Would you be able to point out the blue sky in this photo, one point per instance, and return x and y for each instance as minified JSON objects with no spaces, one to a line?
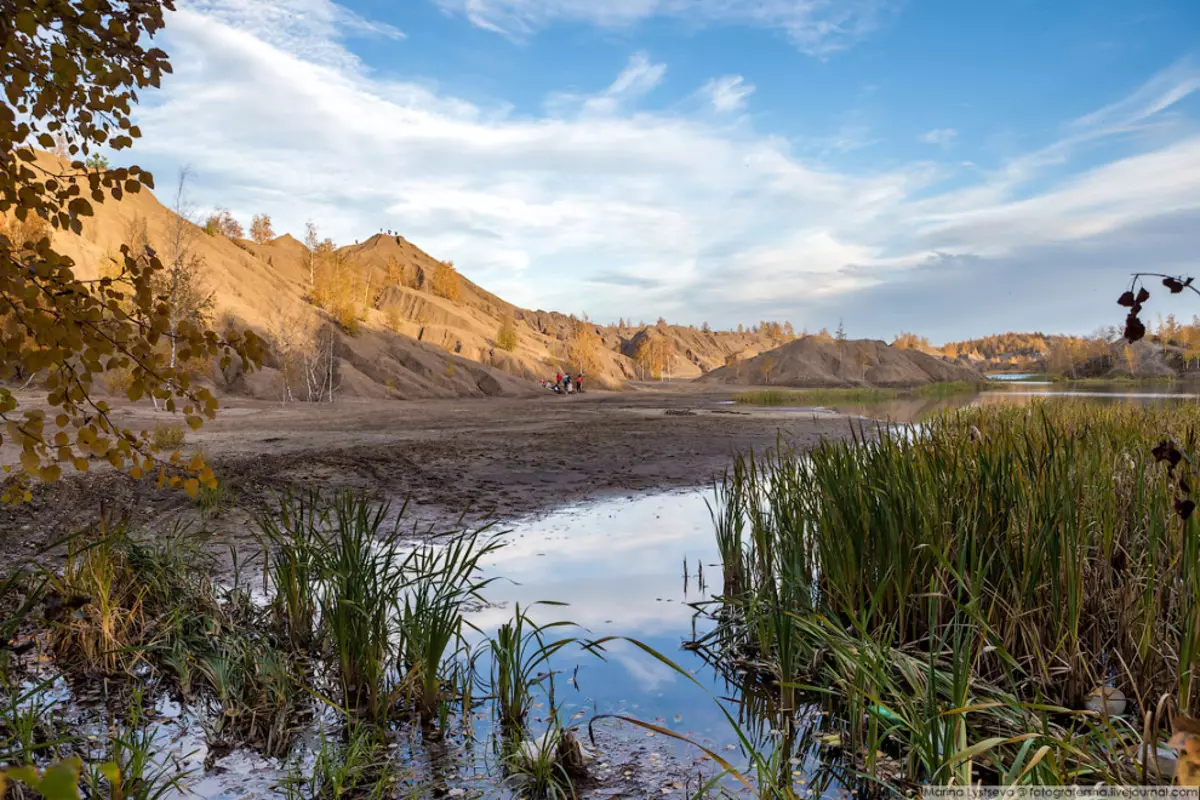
{"x":951,"y":168}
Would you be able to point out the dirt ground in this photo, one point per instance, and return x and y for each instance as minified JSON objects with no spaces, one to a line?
{"x":490,"y":459}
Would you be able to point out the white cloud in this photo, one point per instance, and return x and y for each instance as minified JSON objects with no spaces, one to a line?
{"x":601,"y":204}
{"x":942,"y":137}
{"x":728,"y":93}
{"x":817,"y":27}
{"x":640,"y":77}
{"x":308,"y":28}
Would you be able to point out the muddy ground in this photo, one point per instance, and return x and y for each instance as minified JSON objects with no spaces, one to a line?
{"x":490,"y":459}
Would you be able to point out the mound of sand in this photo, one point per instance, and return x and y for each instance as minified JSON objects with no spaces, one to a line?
{"x":814,"y":362}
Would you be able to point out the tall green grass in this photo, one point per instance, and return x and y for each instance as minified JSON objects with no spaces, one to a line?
{"x":440,"y":580}
{"x":960,"y":587}
{"x":362,"y":579}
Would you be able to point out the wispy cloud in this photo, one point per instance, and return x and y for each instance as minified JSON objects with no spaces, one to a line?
{"x":818,"y":27}
{"x":728,"y":93}
{"x":604,"y":203}
{"x":942,"y":137}
{"x":1157,"y":94}
{"x":309,"y":28}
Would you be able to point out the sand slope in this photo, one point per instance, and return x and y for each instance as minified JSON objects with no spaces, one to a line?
{"x":814,"y":362}
{"x":414,"y":343}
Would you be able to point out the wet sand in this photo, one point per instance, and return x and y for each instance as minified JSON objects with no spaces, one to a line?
{"x":496,"y":458}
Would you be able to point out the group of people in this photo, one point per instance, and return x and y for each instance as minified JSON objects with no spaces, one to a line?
{"x":565,"y":384}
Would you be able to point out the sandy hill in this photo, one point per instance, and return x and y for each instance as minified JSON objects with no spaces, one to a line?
{"x":407,"y":326}
{"x":816,"y":362}
{"x":264,"y":288}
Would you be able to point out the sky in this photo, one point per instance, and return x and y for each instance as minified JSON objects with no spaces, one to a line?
{"x":944,"y":167}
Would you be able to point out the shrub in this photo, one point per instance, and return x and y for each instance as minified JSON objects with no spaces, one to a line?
{"x":167,"y":436}
{"x":118,"y":380}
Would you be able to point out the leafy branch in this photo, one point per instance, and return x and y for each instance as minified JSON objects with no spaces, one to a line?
{"x":1136,"y":296}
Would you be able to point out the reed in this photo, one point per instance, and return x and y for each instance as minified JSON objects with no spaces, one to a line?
{"x":440,"y":578}
{"x":520,"y":655}
{"x":137,"y":769}
{"x":963,"y":585}
{"x":293,"y":543}
{"x":355,"y":765}
{"x":361,"y":579}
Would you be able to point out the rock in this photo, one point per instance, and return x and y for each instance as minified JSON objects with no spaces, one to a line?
{"x":560,"y":747}
{"x":1106,"y":700}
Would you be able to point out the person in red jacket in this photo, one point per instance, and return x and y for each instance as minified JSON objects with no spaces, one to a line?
{"x":578,"y":384}
{"x":558,"y":378}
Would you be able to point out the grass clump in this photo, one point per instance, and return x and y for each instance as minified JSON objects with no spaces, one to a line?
{"x":959,"y":589}
{"x":804,"y":397}
{"x":356,"y":764}
{"x":946,"y":388}
{"x":520,"y":654}
{"x":167,"y":436}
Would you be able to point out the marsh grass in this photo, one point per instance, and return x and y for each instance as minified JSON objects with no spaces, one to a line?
{"x":138,"y":769}
{"x":810,"y":397}
{"x":362,"y":578}
{"x":215,"y":499}
{"x":293,"y":543}
{"x":98,"y":581}
{"x":355,"y":765}
{"x":520,"y":663}
{"x":544,"y":768}
{"x":955,"y":590}
{"x":441,"y":579}
{"x":363,"y":628}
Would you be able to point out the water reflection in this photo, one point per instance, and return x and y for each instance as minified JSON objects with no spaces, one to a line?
{"x":633,"y":567}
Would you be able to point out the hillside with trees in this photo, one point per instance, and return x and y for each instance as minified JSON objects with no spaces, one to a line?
{"x":1170,"y":349}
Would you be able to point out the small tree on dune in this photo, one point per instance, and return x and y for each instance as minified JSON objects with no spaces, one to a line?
{"x":260,"y":229}
{"x":222,"y":223}
{"x":506,"y":337}
{"x":445,"y":282}
{"x":583,"y":349}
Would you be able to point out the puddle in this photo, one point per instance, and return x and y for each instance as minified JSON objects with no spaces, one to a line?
{"x":619,"y":565}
